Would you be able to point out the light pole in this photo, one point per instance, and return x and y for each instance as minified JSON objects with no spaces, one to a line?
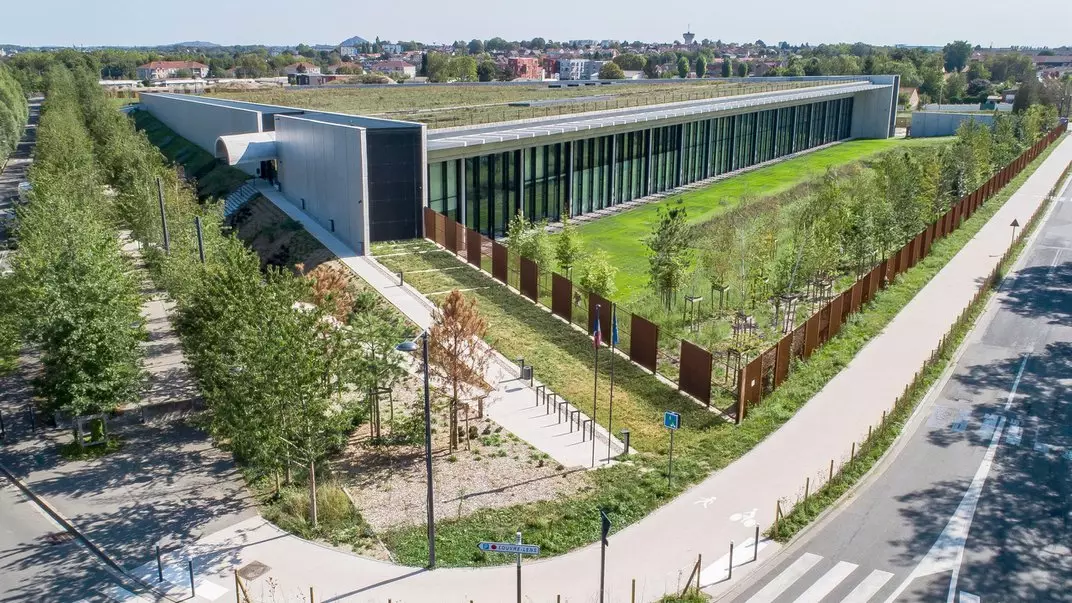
{"x":410,"y":346}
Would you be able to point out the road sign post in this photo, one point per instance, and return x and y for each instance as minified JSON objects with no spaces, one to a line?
{"x":517,"y":548}
{"x":672,"y":421}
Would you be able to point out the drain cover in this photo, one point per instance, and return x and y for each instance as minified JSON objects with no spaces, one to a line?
{"x":253,"y":570}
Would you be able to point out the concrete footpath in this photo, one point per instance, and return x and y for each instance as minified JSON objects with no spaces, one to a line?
{"x":512,"y":402}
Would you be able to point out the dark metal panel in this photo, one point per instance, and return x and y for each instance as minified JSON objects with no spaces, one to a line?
{"x":450,"y":234}
{"x":643,"y":342}
{"x":781,"y":359}
{"x":473,"y":243}
{"x":498,"y":261}
{"x":694,"y":376}
{"x":561,"y":297}
{"x":530,"y":279}
{"x":836,"y":315}
{"x":811,"y":335}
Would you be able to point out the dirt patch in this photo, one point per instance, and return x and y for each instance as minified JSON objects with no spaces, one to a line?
{"x":277,"y":239}
{"x":387,"y":482}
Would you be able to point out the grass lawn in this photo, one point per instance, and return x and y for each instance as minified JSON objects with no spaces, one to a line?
{"x":622,"y":235}
{"x":448,"y":106}
{"x":630,"y":491}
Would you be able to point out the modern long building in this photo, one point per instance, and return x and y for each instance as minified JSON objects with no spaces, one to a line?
{"x":367,"y":179}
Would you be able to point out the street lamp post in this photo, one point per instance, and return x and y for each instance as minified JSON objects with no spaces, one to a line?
{"x":410,"y":346}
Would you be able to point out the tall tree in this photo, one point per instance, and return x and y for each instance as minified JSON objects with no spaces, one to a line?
{"x":682,"y":67}
{"x":457,"y":354}
{"x":669,"y":252}
{"x":568,"y":247}
{"x":956,"y":54}
{"x":727,"y":67}
{"x":701,"y":66}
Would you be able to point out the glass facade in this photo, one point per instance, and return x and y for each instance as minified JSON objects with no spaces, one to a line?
{"x":549,"y":181}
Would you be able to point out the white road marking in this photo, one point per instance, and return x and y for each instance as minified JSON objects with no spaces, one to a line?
{"x":706,"y":501}
{"x":867,"y":589}
{"x":122,"y":595}
{"x":1015,"y":433}
{"x":947,"y":553}
{"x":1016,"y":382}
{"x":962,"y":421}
{"x":968,"y":597}
{"x":719,"y":570}
{"x":786,"y":579}
{"x":827,"y":583}
{"x":986,"y":430}
{"x":1053,"y":265}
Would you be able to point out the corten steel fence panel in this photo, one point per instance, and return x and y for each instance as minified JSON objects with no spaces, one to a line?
{"x":451,"y":235}
{"x":824,"y":323}
{"x":750,"y":387}
{"x":429,"y":223}
{"x":811,"y":335}
{"x":513,"y":269}
{"x":865,"y":290}
{"x":694,"y":375}
{"x":530,"y":281}
{"x":846,"y":301}
{"x":604,"y":304}
{"x":781,"y":359}
{"x":644,"y":342}
{"x":498,"y":261}
{"x":797,"y":339}
{"x":878,"y":276}
{"x":835,"y":317}
{"x":913,"y":256}
{"x":561,"y":292}
{"x":928,"y":239}
{"x":856,"y":294}
{"x":472,"y":247}
{"x":440,"y":227}
{"x":459,"y":239}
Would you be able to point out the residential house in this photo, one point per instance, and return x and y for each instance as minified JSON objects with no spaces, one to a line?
{"x":301,"y":67}
{"x":162,"y":70}
{"x":909,"y":98}
{"x":392,"y":48}
{"x":393,"y":68}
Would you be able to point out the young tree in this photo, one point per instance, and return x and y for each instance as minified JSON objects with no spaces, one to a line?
{"x":568,"y":247}
{"x":742,"y":69}
{"x":611,"y":71}
{"x":457,"y":353}
{"x":682,"y":67}
{"x":716,"y":257}
{"x":530,"y":240}
{"x":597,"y":274}
{"x":669,"y":252}
{"x":701,"y":66}
{"x":727,"y":67}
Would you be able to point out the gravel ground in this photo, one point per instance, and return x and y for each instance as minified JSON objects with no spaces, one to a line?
{"x":388,"y":482}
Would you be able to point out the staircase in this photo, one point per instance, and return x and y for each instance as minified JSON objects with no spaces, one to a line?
{"x":239,"y":197}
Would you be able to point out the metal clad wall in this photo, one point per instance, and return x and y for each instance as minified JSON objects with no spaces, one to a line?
{"x":324,"y":164}
{"x":396,"y":182}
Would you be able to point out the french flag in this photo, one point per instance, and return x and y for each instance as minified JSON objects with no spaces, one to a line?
{"x":597,"y":335}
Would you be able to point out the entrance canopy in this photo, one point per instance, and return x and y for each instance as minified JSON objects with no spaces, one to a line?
{"x":254,"y":147}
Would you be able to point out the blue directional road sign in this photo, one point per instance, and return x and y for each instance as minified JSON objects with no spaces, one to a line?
{"x":510,"y":547}
{"x":671,"y":420}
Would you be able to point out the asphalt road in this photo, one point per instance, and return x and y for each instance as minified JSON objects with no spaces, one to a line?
{"x":39,"y":561}
{"x":976,"y":504}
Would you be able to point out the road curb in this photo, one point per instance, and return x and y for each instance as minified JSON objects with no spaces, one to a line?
{"x":114,"y":568}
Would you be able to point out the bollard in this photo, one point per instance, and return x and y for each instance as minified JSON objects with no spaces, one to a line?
{"x":159,"y":566}
{"x":807,"y":490}
{"x":312,"y":600}
{"x":632,"y":596}
{"x":3,"y":430}
{"x":831,"y":470}
{"x":730,"y":575}
{"x":755,"y":547}
{"x":852,"y":455}
{"x":868,"y":433}
{"x":193,"y":590}
{"x":625,"y":437}
{"x":237,"y":588}
{"x":33,"y":418}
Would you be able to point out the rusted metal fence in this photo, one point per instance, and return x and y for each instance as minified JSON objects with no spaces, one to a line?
{"x":823,"y":325}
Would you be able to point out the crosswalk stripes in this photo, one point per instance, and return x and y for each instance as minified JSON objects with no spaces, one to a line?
{"x":818,"y":587}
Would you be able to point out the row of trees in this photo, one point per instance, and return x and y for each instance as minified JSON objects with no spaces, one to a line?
{"x":566,"y":252}
{"x":13,"y":112}
{"x":78,"y":302}
{"x":776,"y":248}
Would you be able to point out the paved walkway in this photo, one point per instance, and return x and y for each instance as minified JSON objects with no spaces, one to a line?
{"x":659,"y":550}
{"x":16,"y":170}
{"x":512,"y":403}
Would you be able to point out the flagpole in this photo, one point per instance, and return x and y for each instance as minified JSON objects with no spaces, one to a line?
{"x":595,"y":383}
{"x":613,"y":348}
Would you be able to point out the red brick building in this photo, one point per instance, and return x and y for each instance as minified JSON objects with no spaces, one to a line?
{"x":525,"y":68}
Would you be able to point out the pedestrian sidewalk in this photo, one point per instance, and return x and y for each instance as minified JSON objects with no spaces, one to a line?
{"x":659,"y":551}
{"x":512,"y":403}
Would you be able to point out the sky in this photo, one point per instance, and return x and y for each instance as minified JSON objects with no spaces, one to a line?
{"x":285,"y":22}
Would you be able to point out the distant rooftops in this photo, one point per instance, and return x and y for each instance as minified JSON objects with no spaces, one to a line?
{"x":167,"y":65}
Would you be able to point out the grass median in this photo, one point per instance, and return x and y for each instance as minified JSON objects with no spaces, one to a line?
{"x":563,"y":359}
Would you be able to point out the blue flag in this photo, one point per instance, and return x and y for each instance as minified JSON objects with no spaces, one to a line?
{"x":597,"y":333}
{"x":614,"y":327}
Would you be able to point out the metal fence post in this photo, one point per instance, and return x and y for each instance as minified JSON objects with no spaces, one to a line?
{"x":193,"y":589}
{"x":755,"y":546}
{"x":159,"y":566}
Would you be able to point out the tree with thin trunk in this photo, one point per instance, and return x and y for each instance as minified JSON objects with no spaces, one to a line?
{"x":457,"y":353}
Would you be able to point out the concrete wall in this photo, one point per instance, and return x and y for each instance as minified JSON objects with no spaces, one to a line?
{"x":874,"y":111}
{"x":324,"y":164}
{"x":199,"y":122}
{"x":926,"y":124}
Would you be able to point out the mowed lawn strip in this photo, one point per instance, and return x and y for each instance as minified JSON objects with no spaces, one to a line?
{"x":705,"y":443}
{"x":622,"y":235}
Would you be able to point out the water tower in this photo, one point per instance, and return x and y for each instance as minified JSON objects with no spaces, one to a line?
{"x":688,"y":37}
